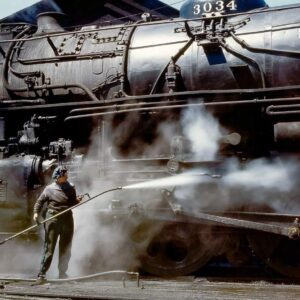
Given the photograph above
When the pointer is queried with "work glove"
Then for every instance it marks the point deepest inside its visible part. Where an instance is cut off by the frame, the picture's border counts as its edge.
(36, 217)
(79, 198)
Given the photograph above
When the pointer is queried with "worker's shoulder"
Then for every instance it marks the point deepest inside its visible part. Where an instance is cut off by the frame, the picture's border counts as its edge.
(50, 186)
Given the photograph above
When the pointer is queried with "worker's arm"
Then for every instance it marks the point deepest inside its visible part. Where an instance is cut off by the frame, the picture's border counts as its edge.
(39, 204)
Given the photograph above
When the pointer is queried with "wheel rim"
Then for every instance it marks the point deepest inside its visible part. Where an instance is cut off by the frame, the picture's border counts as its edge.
(176, 250)
(279, 253)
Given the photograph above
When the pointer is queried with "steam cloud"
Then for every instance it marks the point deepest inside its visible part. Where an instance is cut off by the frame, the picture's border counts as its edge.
(203, 132)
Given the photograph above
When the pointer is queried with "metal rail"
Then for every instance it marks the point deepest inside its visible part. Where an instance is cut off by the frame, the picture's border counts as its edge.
(178, 106)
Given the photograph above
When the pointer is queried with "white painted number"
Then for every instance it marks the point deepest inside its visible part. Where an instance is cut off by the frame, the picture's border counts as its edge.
(207, 7)
(231, 5)
(197, 9)
(218, 6)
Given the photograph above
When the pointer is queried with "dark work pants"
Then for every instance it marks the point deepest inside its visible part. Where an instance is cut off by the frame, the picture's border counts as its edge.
(62, 227)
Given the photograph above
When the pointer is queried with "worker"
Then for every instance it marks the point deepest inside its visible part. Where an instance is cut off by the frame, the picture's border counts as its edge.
(57, 197)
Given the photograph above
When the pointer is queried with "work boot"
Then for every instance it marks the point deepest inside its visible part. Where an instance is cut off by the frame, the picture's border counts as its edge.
(41, 279)
(63, 276)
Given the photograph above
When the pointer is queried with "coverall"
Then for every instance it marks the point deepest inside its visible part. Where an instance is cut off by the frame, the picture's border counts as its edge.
(57, 198)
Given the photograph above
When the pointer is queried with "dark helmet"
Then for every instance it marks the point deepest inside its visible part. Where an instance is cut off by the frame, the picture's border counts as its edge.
(59, 171)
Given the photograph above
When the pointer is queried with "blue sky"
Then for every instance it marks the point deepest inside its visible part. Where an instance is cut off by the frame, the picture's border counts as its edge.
(8, 7)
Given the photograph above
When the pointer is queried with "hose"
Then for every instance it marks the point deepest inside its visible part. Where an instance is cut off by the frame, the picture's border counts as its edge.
(57, 215)
(91, 276)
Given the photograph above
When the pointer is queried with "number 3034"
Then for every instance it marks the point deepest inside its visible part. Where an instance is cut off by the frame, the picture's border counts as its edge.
(218, 6)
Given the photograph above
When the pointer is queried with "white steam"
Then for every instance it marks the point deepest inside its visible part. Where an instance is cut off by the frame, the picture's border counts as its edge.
(185, 179)
(203, 132)
(261, 174)
(244, 186)
(20, 257)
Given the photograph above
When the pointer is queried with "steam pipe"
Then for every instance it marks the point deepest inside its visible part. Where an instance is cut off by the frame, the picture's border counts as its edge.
(172, 21)
(264, 50)
(15, 72)
(271, 110)
(118, 106)
(57, 215)
(24, 74)
(39, 101)
(172, 96)
(49, 106)
(83, 87)
(7, 60)
(67, 57)
(179, 106)
(244, 57)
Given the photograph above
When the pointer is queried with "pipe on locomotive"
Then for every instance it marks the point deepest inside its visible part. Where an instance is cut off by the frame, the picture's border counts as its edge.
(6, 67)
(179, 106)
(117, 107)
(171, 97)
(244, 44)
(247, 59)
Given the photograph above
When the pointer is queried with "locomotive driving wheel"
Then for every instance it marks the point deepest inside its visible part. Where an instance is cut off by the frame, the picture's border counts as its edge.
(176, 249)
(279, 253)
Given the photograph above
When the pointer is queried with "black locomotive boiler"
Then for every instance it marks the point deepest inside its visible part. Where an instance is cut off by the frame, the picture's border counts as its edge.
(64, 91)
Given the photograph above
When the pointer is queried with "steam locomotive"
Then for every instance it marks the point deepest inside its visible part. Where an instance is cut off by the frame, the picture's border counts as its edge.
(66, 91)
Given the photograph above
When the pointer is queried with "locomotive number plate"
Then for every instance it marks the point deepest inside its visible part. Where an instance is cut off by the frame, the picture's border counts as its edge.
(218, 6)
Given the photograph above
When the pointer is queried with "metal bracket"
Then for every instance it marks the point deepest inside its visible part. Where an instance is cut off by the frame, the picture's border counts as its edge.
(167, 196)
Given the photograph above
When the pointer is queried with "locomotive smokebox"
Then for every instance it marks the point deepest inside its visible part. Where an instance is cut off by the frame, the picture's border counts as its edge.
(48, 23)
